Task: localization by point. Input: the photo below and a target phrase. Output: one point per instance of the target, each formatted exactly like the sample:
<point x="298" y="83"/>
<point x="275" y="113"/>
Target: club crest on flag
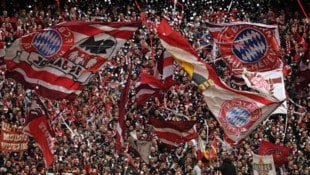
<point x="50" y="42"/>
<point x="249" y="45"/>
<point x="99" y="44"/>
<point x="237" y="114"/>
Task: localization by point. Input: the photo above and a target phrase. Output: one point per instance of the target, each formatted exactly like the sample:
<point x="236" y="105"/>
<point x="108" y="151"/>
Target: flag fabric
<point x="165" y="66"/>
<point x="303" y="73"/>
<point x="269" y="83"/>
<point x="12" y="138"/>
<point x="247" y="45"/>
<point x="278" y="152"/>
<point x="238" y="112"/>
<point x="146" y="87"/>
<point x="263" y="164"/>
<point x="150" y="86"/>
<point x="2" y="53"/>
<point x="143" y="147"/>
<point x="201" y="148"/>
<point x="37" y="125"/>
<point x="121" y="129"/>
<point x="59" y="61"/>
<point x="174" y="133"/>
<point x="209" y="152"/>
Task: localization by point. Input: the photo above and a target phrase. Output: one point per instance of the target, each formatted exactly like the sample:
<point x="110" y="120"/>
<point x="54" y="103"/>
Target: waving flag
<point x="278" y="152"/>
<point x="165" y="66"/>
<point x="122" y="112"/>
<point x="146" y="87"/>
<point x="59" y="61"/>
<point x="149" y="85"/>
<point x="238" y="112"/>
<point x="247" y="45"/>
<point x="270" y="83"/>
<point x="174" y="133"/>
<point x="37" y="126"/>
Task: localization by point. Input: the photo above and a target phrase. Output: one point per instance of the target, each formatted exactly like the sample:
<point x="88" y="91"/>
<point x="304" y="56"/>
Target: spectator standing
<point x="197" y="168"/>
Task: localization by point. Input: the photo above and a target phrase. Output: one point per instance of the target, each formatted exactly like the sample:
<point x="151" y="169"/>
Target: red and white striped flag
<point x="59" y="61"/>
<point x="174" y="133"/>
<point x="121" y="128"/>
<point x="146" y="87"/>
<point x="165" y="66"/>
<point x="238" y="112"/>
<point x="149" y="86"/>
<point x="247" y="45"/>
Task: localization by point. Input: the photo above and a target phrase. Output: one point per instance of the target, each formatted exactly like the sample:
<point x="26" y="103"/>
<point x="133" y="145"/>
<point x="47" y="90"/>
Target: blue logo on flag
<point x="47" y="43"/>
<point x="238" y="117"/>
<point x="250" y="45"/>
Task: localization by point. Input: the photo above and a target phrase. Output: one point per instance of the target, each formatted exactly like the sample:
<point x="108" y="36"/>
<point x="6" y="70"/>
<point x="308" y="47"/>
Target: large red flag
<point x="37" y="126"/>
<point x="278" y="152"/>
<point x="247" y="45"/>
<point x="58" y="62"/>
<point x="238" y="112"/>
<point x="174" y="133"/>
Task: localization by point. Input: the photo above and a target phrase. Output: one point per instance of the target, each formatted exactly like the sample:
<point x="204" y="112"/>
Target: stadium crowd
<point x="86" y="127"/>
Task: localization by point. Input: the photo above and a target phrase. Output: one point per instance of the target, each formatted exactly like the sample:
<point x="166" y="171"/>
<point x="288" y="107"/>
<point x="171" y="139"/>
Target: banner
<point x="263" y="165"/>
<point x="12" y="139"/>
<point x="58" y="62"/>
<point x="253" y="46"/>
<point x="238" y="112"/>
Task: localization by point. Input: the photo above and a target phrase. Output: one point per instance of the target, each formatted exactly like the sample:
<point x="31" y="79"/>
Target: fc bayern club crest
<point x="49" y="43"/>
<point x="249" y="46"/>
<point x="238" y="115"/>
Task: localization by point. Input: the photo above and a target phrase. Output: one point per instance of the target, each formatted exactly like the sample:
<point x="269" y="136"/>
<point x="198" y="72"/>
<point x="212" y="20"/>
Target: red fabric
<point x="278" y="152"/>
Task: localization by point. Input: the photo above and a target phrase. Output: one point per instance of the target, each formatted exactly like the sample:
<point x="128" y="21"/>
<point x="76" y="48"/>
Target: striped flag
<point x="121" y="128"/>
<point x="238" y="112"/>
<point x="149" y="86"/>
<point x="165" y="66"/>
<point x="174" y="133"/>
<point x="59" y="61"/>
<point x="146" y="87"/>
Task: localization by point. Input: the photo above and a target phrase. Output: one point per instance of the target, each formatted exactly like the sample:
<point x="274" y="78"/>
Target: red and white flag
<point x="59" y="61"/>
<point x="143" y="147"/>
<point x="149" y="86"/>
<point x="174" y="133"/>
<point x="37" y="125"/>
<point x="269" y="83"/>
<point x="247" y="45"/>
<point x="165" y="66"/>
<point x="121" y="128"/>
<point x="146" y="87"/>
<point x="278" y="152"/>
<point x="238" y="112"/>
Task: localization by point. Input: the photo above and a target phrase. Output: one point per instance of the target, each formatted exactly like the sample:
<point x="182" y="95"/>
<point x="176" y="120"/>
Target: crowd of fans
<point x="86" y="127"/>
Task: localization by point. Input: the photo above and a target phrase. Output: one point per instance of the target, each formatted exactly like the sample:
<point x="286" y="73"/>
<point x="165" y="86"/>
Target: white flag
<point x="263" y="165"/>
